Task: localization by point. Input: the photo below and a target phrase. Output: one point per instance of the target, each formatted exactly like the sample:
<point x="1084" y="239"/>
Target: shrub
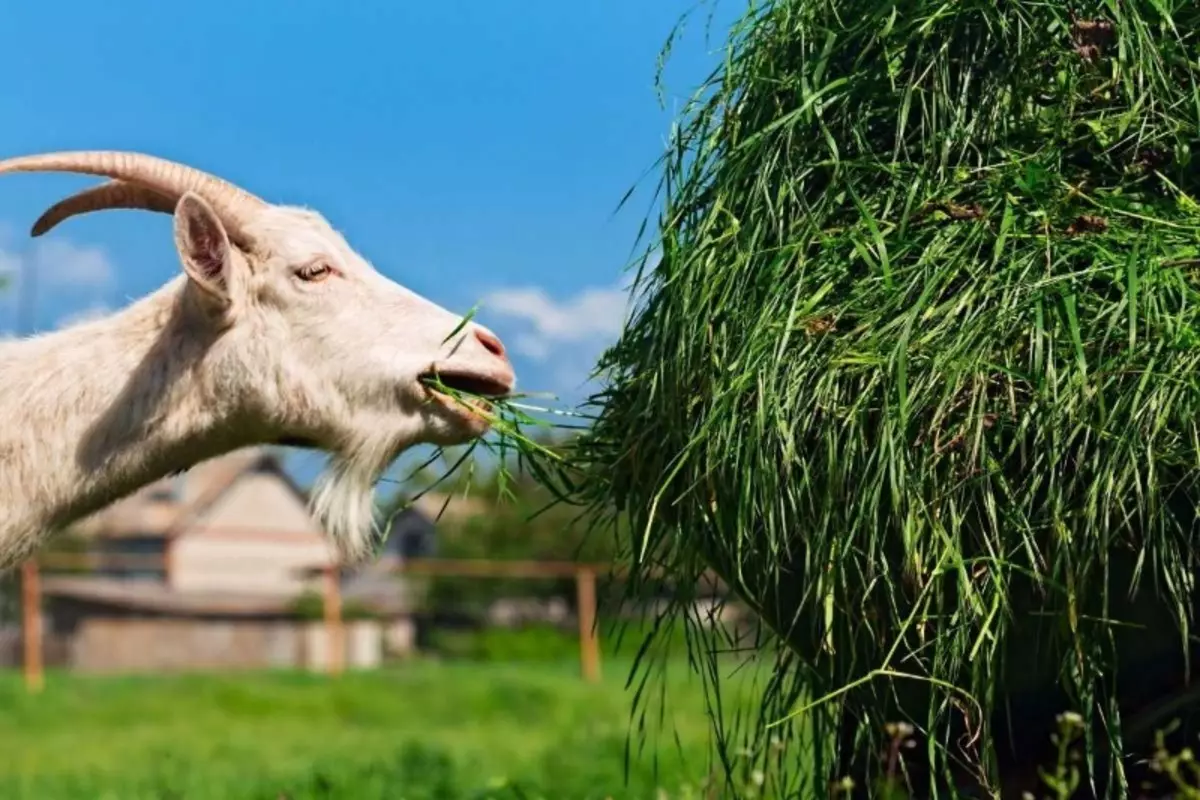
<point x="915" y="368"/>
<point x="310" y="605"/>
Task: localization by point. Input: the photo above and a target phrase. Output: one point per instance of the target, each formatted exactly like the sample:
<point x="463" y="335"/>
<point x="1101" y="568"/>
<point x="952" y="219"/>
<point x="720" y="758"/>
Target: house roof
<point x="157" y="597"/>
<point x="437" y="506"/>
<point x="165" y="507"/>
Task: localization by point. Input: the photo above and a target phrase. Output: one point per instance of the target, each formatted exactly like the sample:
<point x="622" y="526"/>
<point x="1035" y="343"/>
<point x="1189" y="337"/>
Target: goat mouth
<point x="472" y="407"/>
<point x="299" y="442"/>
<point x="471" y="384"/>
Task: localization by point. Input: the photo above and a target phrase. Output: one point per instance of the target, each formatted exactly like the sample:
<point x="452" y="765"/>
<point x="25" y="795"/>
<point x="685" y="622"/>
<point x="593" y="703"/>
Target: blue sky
<point x="474" y="151"/>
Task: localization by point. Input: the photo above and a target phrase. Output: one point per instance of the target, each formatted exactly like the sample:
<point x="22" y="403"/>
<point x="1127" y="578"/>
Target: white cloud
<point x="64" y="274"/>
<point x="62" y="263"/>
<point x="55" y="262"/>
<point x="10" y="266"/>
<point x="94" y="311"/>
<point x="527" y="344"/>
<point x="592" y="315"/>
<point x="564" y="335"/>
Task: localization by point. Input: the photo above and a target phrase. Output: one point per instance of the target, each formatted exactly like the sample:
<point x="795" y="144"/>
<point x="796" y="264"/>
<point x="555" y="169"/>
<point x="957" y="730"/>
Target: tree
<point x="525" y="521"/>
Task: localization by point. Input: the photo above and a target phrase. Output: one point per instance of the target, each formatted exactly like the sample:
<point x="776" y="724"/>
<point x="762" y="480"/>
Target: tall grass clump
<point x="915" y="363"/>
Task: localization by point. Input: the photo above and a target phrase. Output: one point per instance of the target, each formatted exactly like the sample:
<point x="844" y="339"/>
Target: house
<point x="107" y="625"/>
<point x="412" y="533"/>
<point x="237" y="523"/>
<point x="206" y="570"/>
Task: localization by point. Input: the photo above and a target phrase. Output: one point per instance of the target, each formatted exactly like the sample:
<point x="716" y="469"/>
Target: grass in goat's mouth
<point x="476" y="395"/>
<point x="509" y="418"/>
<point x="465" y="384"/>
<point x="504" y="411"/>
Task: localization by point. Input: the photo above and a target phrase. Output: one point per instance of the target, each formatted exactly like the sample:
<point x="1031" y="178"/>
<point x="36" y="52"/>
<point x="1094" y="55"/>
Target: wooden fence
<point x="584" y="575"/>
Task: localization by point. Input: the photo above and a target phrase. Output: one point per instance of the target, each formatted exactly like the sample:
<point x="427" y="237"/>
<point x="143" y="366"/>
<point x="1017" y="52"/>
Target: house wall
<point x="400" y="636"/>
<point x="362" y="645"/>
<point x="256" y="538"/>
<point x="148" y="644"/>
<point x="114" y="644"/>
<point x="10" y="646"/>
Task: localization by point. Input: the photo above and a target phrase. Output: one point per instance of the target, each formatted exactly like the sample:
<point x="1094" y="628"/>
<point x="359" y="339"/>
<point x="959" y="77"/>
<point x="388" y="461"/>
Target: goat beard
<point x="343" y="499"/>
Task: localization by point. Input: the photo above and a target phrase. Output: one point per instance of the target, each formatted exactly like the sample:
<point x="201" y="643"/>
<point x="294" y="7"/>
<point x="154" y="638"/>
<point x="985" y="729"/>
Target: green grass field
<point x="424" y="730"/>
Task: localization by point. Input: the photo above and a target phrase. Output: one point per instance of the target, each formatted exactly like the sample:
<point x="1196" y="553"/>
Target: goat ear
<point x="203" y="245"/>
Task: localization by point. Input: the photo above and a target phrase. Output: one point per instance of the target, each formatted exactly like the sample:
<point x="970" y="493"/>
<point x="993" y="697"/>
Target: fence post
<point x="589" y="642"/>
<point x="334" y="638"/>
<point x="31" y="625"/>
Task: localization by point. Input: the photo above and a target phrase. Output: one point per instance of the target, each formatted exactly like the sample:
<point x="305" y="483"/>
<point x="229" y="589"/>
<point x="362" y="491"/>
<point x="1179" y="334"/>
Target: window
<point x="411" y="535"/>
<point x="169" y="490"/>
<point x="145" y="557"/>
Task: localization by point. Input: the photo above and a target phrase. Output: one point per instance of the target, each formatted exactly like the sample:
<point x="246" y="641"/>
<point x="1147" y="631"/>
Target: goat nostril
<point x="490" y="343"/>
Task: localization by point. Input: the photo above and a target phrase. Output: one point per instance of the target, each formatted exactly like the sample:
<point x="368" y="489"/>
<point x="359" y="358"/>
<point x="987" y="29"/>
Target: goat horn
<point x="233" y="205"/>
<point x="112" y="194"/>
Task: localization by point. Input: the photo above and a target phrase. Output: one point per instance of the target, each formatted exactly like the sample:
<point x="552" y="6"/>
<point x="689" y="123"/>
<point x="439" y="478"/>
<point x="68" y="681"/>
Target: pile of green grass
<point x="914" y="366"/>
<point x="425" y="731"/>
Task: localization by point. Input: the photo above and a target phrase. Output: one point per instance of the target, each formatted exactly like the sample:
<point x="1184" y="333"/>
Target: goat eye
<point x="317" y="271"/>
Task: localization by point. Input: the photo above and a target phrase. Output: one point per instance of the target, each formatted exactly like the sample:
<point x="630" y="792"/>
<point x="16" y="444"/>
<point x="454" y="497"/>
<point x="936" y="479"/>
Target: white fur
<point x="98" y="410"/>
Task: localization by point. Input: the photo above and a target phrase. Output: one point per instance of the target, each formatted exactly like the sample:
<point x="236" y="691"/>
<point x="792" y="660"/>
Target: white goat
<point x="276" y="332"/>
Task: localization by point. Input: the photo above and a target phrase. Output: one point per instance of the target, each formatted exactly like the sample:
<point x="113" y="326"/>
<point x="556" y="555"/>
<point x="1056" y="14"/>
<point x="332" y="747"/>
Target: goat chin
<point x="343" y="499"/>
<point x="343" y="503"/>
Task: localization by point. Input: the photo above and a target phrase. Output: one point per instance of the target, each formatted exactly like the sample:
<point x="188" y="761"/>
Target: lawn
<point x="423" y="730"/>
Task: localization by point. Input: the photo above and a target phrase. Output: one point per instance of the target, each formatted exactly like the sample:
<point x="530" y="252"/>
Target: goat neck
<point x="100" y="409"/>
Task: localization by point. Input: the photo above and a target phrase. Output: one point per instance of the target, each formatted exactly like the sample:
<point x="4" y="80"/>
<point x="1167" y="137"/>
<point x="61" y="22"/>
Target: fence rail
<point x="584" y="574"/>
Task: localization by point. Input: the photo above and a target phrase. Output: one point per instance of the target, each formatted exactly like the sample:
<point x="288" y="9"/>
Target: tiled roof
<point x="164" y="507"/>
<point x="157" y="597"/>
